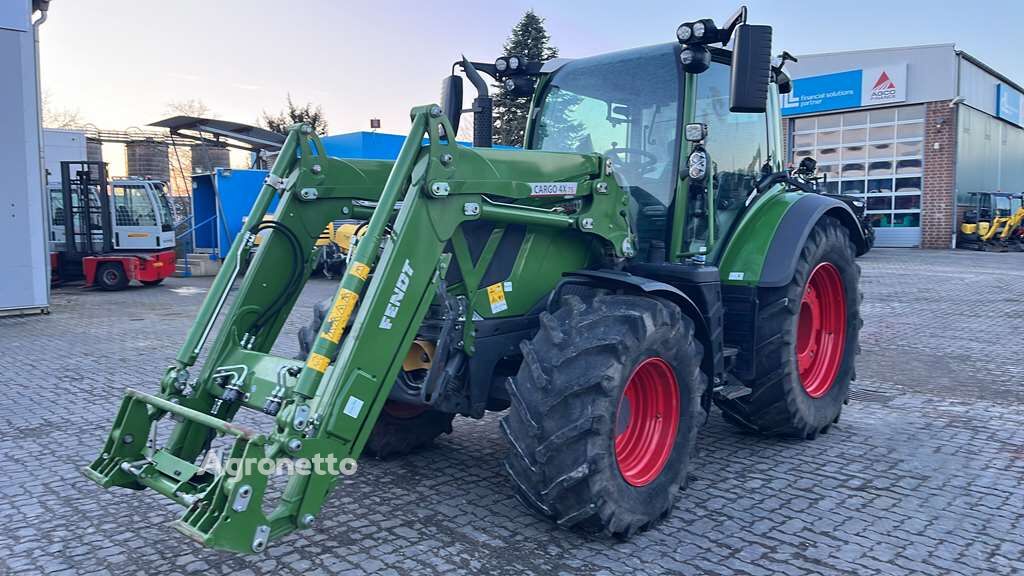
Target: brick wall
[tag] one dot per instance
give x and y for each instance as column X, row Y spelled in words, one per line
column 939, row 173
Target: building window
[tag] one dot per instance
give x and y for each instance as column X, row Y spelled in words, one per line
column 876, row 155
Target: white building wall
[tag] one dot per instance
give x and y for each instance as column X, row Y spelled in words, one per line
column 62, row 145
column 23, row 247
column 931, row 70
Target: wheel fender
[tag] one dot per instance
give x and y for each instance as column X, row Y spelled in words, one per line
column 617, row 279
column 794, row 228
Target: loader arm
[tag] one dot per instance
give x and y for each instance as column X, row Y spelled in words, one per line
column 324, row 409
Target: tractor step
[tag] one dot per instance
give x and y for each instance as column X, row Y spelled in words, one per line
column 732, row 391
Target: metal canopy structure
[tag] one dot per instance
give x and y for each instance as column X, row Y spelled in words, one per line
column 243, row 136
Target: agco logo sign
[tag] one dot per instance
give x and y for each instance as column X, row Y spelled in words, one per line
column 884, row 89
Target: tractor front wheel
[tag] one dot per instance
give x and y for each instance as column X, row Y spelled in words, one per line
column 605, row 412
column 809, row 330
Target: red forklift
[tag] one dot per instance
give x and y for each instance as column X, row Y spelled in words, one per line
column 109, row 232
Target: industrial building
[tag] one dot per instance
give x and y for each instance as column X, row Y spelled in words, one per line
column 26, row 282
column 913, row 131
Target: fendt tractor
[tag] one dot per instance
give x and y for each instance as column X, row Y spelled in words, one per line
column 644, row 258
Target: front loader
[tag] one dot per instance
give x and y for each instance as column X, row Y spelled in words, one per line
column 646, row 256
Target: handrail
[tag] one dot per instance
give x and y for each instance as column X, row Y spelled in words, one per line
column 203, row 223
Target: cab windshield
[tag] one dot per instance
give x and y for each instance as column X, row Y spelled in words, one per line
column 167, row 220
column 624, row 105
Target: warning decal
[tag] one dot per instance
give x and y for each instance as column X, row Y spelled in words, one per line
column 496, row 296
column 318, row 362
column 340, row 313
column 359, row 270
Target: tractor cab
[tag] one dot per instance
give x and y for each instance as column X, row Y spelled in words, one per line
column 684, row 126
column 634, row 107
column 141, row 214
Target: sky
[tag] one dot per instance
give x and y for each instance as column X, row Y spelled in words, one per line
column 120, row 62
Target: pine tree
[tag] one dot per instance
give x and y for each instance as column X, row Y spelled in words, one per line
column 529, row 39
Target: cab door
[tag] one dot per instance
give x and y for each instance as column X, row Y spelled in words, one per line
column 158, row 191
column 133, row 212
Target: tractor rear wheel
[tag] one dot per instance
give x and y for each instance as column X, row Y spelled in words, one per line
column 809, row 330
column 400, row 428
column 605, row 411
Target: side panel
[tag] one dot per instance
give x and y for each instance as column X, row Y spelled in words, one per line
column 743, row 257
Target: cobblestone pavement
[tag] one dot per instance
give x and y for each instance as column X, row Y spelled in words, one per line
column 923, row 475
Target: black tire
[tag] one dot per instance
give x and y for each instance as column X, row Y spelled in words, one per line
column 869, row 238
column 111, row 276
column 399, row 429
column 779, row 404
column 564, row 419
column 156, row 282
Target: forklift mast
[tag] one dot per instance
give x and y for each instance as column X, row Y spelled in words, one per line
column 81, row 214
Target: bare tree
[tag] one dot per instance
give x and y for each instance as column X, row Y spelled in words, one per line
column 62, row 118
column 189, row 107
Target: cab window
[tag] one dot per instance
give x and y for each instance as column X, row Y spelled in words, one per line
column 57, row 207
column 166, row 216
column 132, row 206
column 737, row 144
column 625, row 106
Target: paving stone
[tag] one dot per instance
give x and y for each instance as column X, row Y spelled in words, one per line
column 921, row 475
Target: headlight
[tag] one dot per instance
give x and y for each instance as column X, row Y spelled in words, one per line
column 695, row 58
column 698, row 30
column 695, row 131
column 858, row 203
column 698, row 164
column 501, row 64
column 684, row 32
column 513, row 63
column 510, row 84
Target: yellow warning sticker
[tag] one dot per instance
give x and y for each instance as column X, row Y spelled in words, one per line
column 496, row 296
column 359, row 270
column 318, row 362
column 340, row 313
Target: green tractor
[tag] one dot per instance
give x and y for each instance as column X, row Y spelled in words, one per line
column 645, row 257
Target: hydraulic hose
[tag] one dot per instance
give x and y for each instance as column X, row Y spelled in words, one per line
column 298, row 264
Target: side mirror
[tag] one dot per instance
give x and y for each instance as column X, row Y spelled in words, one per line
column 451, row 101
column 751, row 68
column 807, row 166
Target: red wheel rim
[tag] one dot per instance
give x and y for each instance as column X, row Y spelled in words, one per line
column 646, row 421
column 821, row 330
